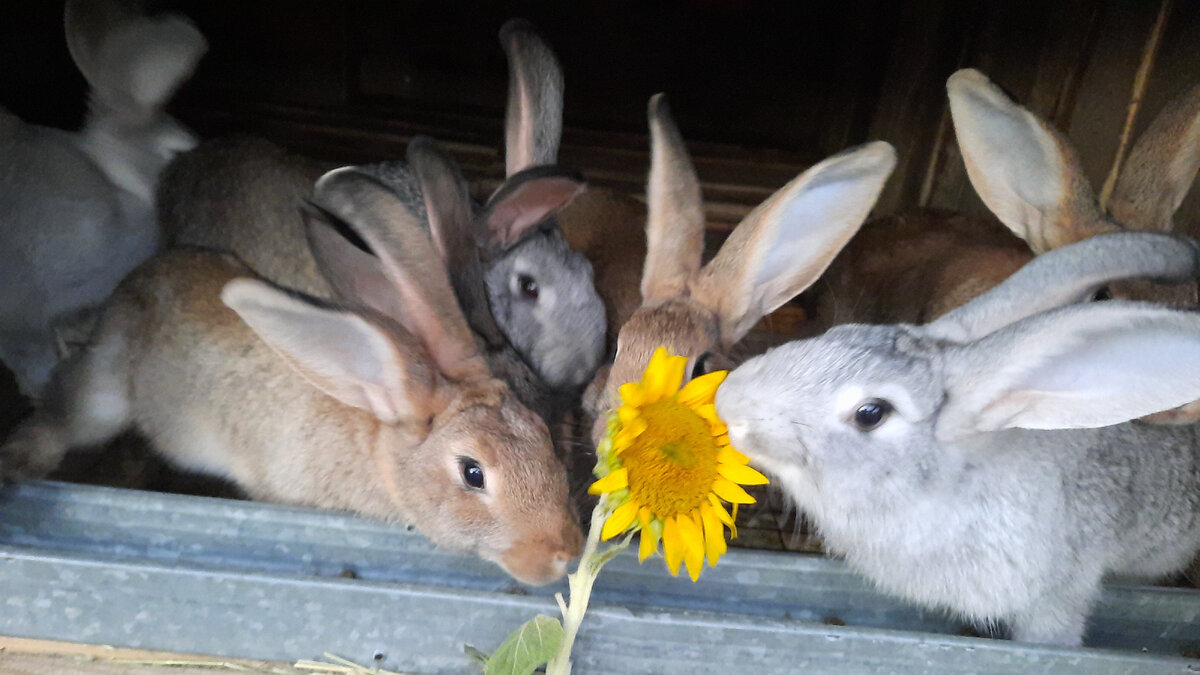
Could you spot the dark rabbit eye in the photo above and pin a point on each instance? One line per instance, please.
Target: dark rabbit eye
(1102, 294)
(701, 367)
(871, 413)
(472, 473)
(528, 286)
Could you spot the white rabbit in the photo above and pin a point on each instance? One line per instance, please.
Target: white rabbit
(393, 414)
(986, 463)
(77, 209)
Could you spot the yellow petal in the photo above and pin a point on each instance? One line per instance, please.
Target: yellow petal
(617, 480)
(719, 510)
(709, 412)
(649, 540)
(728, 455)
(628, 413)
(733, 528)
(714, 534)
(662, 377)
(620, 520)
(702, 389)
(693, 536)
(673, 546)
(631, 394)
(628, 433)
(731, 492)
(741, 474)
(694, 557)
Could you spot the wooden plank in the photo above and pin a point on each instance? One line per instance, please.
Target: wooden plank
(23, 656)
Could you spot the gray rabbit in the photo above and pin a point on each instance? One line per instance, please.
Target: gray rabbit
(76, 209)
(546, 321)
(986, 463)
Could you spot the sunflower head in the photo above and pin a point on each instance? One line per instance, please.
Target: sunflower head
(668, 469)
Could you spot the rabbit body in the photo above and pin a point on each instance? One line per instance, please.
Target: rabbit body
(302, 403)
(915, 267)
(991, 470)
(77, 209)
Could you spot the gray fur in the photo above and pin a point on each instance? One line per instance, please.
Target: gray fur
(992, 490)
(77, 209)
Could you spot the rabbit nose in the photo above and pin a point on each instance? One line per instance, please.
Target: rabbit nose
(737, 432)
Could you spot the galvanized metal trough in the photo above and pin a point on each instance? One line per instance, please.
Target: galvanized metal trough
(242, 579)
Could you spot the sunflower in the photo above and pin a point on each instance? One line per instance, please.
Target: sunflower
(667, 467)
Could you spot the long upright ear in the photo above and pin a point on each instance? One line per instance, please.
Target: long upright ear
(675, 210)
(786, 243)
(344, 259)
(339, 352)
(1069, 275)
(411, 262)
(1024, 170)
(133, 63)
(1077, 367)
(533, 121)
(1161, 167)
(521, 204)
(448, 210)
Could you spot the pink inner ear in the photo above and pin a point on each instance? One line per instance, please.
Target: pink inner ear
(529, 204)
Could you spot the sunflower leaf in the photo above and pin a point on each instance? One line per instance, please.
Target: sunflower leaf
(528, 647)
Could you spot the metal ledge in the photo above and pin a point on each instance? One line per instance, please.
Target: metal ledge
(177, 556)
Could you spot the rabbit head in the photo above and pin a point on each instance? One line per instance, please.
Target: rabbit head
(700, 311)
(481, 474)
(1028, 174)
(895, 437)
(133, 64)
(541, 291)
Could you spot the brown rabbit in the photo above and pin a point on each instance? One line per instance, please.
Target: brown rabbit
(773, 254)
(394, 415)
(913, 268)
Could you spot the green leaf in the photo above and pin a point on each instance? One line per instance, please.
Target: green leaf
(528, 647)
(475, 654)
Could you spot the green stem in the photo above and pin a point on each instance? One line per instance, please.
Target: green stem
(580, 584)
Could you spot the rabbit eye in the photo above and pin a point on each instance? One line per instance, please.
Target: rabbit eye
(872, 413)
(701, 367)
(1103, 294)
(472, 473)
(528, 286)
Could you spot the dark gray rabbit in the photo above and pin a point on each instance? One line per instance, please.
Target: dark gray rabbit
(986, 462)
(546, 326)
(77, 208)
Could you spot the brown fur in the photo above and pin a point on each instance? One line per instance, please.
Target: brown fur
(693, 310)
(916, 267)
(174, 360)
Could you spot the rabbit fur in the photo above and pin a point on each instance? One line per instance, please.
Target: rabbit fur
(986, 463)
(700, 311)
(303, 402)
(77, 209)
(540, 292)
(915, 267)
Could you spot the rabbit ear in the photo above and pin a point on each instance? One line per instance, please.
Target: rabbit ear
(1069, 275)
(524, 201)
(785, 244)
(410, 261)
(448, 209)
(533, 121)
(348, 264)
(1025, 171)
(339, 352)
(675, 210)
(1078, 367)
(133, 63)
(1161, 167)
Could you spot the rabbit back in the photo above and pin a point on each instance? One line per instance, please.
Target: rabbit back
(67, 237)
(244, 194)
